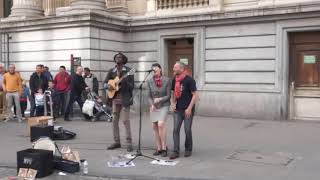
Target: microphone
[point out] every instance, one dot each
(150, 70)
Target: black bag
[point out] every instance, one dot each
(66, 165)
(37, 159)
(62, 134)
(41, 131)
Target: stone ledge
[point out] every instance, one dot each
(107, 20)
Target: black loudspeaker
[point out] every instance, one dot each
(41, 131)
(37, 159)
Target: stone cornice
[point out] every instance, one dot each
(122, 23)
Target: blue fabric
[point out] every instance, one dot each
(25, 91)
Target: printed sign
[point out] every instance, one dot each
(309, 59)
(184, 61)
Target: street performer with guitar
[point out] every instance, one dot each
(119, 84)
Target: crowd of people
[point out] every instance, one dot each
(65, 89)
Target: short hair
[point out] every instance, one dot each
(39, 65)
(181, 64)
(46, 67)
(51, 81)
(86, 69)
(156, 65)
(63, 67)
(124, 58)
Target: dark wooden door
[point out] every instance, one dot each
(305, 59)
(180, 50)
(307, 69)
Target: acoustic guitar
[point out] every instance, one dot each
(115, 83)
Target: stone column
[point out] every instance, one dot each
(119, 7)
(66, 2)
(88, 4)
(27, 8)
(217, 5)
(50, 6)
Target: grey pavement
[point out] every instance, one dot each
(224, 149)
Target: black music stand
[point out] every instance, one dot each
(139, 153)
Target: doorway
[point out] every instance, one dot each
(181, 50)
(304, 75)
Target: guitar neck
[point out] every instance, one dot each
(122, 78)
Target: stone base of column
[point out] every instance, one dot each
(122, 11)
(83, 6)
(26, 12)
(92, 4)
(74, 11)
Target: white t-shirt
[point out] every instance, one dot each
(39, 98)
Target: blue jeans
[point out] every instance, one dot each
(179, 117)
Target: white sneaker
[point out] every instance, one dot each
(7, 119)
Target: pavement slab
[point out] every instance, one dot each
(277, 150)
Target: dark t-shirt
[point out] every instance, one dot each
(187, 86)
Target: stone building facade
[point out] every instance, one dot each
(251, 58)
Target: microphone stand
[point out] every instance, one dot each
(139, 153)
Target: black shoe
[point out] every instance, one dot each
(164, 153)
(174, 155)
(157, 152)
(114, 146)
(187, 154)
(130, 148)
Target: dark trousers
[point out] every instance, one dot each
(23, 105)
(39, 110)
(33, 105)
(73, 98)
(63, 100)
(179, 117)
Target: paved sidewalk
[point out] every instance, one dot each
(224, 149)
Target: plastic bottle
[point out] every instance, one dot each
(85, 167)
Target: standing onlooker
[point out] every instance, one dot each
(77, 87)
(62, 82)
(2, 94)
(183, 103)
(23, 99)
(12, 86)
(91, 81)
(47, 73)
(37, 81)
(55, 100)
(159, 92)
(122, 100)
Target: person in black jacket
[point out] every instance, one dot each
(122, 100)
(78, 85)
(37, 81)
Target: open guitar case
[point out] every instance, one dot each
(63, 164)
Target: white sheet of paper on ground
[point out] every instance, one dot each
(62, 174)
(164, 162)
(120, 164)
